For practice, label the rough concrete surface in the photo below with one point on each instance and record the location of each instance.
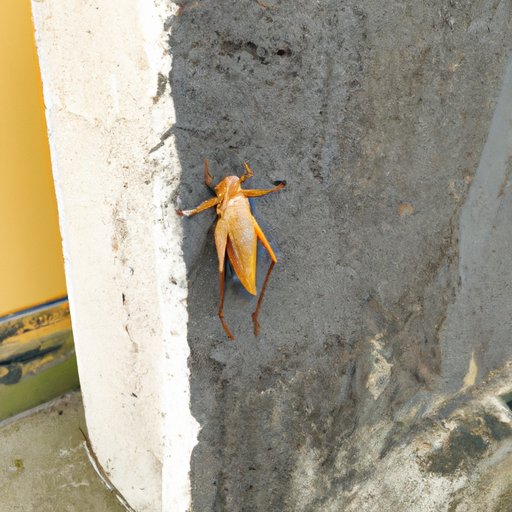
(45, 467)
(125, 273)
(385, 344)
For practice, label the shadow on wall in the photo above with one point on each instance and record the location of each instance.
(355, 107)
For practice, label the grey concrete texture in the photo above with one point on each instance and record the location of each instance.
(385, 346)
(45, 466)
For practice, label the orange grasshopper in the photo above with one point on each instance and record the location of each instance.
(237, 234)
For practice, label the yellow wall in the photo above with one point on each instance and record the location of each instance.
(31, 267)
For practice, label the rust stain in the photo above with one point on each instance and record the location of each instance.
(405, 210)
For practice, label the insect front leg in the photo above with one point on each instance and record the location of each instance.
(203, 206)
(208, 178)
(248, 173)
(255, 192)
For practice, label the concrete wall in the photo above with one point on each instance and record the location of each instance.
(124, 267)
(378, 380)
(386, 328)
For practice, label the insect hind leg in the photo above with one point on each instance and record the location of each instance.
(260, 299)
(221, 240)
(263, 239)
(221, 306)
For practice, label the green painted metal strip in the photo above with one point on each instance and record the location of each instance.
(37, 357)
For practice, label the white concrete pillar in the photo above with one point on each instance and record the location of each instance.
(100, 62)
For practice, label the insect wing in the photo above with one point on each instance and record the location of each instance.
(242, 243)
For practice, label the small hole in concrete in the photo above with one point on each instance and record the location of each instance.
(283, 51)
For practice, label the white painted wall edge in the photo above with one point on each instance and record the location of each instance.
(124, 267)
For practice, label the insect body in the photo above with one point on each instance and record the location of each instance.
(237, 234)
